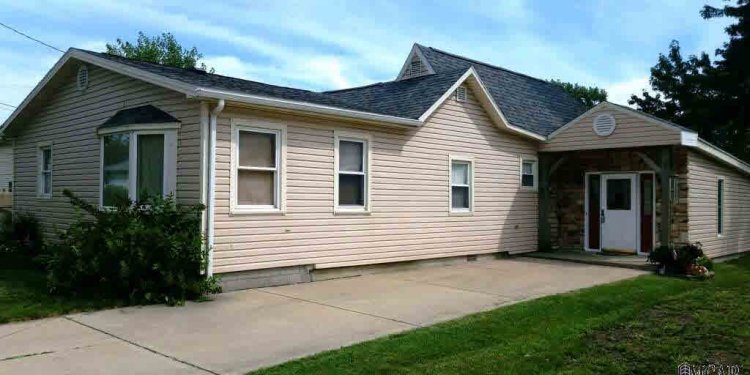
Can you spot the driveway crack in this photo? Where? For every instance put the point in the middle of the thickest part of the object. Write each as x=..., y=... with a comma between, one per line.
x=340, y=308
x=173, y=358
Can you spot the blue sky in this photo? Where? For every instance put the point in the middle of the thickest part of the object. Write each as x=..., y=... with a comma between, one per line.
x=321, y=45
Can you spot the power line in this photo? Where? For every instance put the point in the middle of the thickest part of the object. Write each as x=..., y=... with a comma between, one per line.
x=30, y=37
x=7, y=105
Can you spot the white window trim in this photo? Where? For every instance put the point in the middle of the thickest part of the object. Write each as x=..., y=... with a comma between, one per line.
x=366, y=139
x=535, y=171
x=723, y=206
x=169, y=167
x=470, y=161
x=269, y=127
x=40, y=147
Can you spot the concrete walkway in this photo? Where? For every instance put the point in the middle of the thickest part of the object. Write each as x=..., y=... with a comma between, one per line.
x=241, y=331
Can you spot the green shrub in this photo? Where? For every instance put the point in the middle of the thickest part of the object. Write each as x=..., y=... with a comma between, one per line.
x=21, y=234
x=144, y=252
x=677, y=259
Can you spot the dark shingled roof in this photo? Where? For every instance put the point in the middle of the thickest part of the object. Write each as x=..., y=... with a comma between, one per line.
x=407, y=98
x=529, y=103
x=146, y=114
x=215, y=81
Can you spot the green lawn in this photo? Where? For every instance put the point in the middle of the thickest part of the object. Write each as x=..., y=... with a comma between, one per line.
x=23, y=295
x=646, y=325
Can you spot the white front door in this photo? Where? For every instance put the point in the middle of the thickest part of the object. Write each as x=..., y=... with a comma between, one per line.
x=619, y=212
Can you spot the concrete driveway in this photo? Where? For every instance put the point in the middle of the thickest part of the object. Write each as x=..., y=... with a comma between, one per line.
x=241, y=331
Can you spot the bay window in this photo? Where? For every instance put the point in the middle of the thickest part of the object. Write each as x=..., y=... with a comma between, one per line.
x=137, y=164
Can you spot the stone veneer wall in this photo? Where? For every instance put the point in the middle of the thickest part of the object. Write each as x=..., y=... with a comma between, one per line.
x=567, y=196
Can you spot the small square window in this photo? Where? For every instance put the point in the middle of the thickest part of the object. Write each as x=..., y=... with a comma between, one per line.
x=528, y=173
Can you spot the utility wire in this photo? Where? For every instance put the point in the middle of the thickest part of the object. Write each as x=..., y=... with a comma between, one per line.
x=30, y=37
x=7, y=105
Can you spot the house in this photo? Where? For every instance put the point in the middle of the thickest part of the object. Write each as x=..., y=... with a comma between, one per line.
x=6, y=174
x=453, y=158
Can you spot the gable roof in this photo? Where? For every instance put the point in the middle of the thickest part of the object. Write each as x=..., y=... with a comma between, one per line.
x=146, y=114
x=528, y=103
x=407, y=98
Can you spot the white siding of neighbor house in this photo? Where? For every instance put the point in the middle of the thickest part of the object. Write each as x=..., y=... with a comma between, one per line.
x=6, y=166
x=703, y=174
x=68, y=121
x=630, y=131
x=410, y=217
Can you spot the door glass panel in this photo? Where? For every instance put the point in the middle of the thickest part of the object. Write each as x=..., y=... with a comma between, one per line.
x=618, y=194
x=150, y=180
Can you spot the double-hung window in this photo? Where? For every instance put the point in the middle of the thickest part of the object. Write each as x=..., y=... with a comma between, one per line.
x=257, y=172
x=137, y=164
x=44, y=181
x=529, y=170
x=461, y=185
x=720, y=206
x=352, y=174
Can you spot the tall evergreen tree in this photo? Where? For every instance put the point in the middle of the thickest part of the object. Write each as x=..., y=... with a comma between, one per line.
x=709, y=97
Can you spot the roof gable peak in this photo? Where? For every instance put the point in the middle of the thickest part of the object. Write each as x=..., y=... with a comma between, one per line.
x=416, y=65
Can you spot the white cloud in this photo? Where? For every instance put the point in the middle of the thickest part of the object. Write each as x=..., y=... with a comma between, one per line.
x=619, y=92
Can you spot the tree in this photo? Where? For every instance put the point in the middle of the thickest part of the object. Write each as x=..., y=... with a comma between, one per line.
x=588, y=95
x=161, y=49
x=708, y=97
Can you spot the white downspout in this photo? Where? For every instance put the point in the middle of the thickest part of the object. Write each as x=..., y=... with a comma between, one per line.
x=212, y=183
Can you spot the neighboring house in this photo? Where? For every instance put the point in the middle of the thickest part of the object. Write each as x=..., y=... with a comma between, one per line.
x=6, y=174
x=454, y=157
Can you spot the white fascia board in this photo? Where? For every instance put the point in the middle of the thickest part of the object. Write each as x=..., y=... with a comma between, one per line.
x=472, y=73
x=689, y=139
x=722, y=156
x=303, y=106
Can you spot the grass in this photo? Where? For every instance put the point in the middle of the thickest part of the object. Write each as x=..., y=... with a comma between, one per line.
x=24, y=294
x=646, y=325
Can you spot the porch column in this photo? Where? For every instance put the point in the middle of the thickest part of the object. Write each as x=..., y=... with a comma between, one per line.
x=667, y=169
x=544, y=241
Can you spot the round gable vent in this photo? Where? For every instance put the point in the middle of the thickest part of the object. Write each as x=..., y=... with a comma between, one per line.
x=82, y=80
x=604, y=124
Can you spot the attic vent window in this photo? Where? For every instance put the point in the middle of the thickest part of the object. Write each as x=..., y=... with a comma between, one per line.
x=604, y=124
x=461, y=94
x=416, y=67
x=82, y=80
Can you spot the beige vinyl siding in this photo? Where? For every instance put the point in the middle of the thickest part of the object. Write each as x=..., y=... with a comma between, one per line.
x=409, y=174
x=703, y=174
x=630, y=131
x=68, y=122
